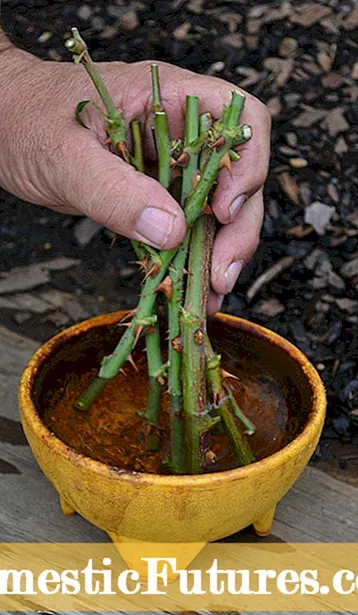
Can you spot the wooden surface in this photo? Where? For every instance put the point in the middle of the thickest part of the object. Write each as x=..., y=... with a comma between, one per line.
x=318, y=509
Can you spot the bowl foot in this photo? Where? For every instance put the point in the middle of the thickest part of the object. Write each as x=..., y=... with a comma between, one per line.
x=66, y=507
x=136, y=552
x=263, y=525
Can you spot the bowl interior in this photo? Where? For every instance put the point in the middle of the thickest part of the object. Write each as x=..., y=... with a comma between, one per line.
x=81, y=349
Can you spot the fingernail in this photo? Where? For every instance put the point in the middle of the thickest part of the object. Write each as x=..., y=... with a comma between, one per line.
x=236, y=205
x=155, y=226
x=231, y=275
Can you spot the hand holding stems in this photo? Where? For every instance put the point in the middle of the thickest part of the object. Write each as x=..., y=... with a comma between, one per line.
x=213, y=144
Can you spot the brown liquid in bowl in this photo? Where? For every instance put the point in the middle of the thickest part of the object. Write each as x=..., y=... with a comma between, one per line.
x=111, y=431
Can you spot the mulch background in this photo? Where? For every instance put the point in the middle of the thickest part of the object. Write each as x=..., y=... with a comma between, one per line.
x=300, y=58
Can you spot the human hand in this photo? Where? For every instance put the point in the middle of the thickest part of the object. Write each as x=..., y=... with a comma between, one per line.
x=48, y=159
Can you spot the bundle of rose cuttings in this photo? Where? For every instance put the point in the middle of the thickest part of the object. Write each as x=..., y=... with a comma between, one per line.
x=200, y=399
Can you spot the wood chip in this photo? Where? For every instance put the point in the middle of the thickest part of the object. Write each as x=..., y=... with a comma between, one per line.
x=347, y=305
x=25, y=301
x=274, y=106
x=353, y=218
x=288, y=47
x=341, y=146
x=269, y=307
x=354, y=73
x=333, y=192
x=282, y=68
x=325, y=60
x=289, y=186
x=350, y=269
x=182, y=31
x=309, y=13
x=252, y=76
x=269, y=275
x=300, y=231
x=25, y=278
x=309, y=117
x=335, y=121
x=332, y=80
x=319, y=215
x=233, y=40
x=298, y=163
x=351, y=22
x=85, y=230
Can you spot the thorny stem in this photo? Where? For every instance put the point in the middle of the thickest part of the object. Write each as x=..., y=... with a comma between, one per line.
x=238, y=440
x=115, y=124
x=154, y=355
x=194, y=333
x=192, y=209
x=176, y=272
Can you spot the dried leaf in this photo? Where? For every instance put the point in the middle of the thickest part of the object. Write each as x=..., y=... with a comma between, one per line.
x=289, y=186
x=319, y=215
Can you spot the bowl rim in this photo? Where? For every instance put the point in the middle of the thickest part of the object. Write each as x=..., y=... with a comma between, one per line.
x=311, y=429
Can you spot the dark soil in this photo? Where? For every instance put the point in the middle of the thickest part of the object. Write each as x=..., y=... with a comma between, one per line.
x=299, y=58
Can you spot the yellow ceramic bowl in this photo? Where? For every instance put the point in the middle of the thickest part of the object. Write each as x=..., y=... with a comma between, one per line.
x=195, y=509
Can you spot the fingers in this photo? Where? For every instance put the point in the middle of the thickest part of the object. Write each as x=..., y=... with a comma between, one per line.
x=214, y=303
x=111, y=192
x=235, y=243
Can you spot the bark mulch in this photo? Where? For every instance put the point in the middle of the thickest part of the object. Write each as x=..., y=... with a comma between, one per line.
x=301, y=59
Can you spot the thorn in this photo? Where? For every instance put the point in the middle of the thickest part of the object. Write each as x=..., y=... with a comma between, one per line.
x=108, y=141
x=113, y=242
x=210, y=457
x=131, y=361
x=161, y=380
x=177, y=343
x=185, y=271
x=166, y=287
x=207, y=209
x=150, y=329
x=152, y=272
x=173, y=162
x=183, y=160
x=142, y=264
x=123, y=372
x=226, y=162
x=196, y=179
x=128, y=315
x=218, y=144
x=138, y=332
x=125, y=324
x=122, y=150
x=216, y=398
x=225, y=374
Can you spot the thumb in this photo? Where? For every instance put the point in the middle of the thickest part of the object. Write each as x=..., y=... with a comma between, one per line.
x=114, y=194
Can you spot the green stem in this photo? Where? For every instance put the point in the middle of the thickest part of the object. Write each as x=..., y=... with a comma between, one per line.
x=115, y=123
x=238, y=440
x=176, y=272
x=194, y=333
x=138, y=156
x=192, y=209
x=161, y=132
x=249, y=426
